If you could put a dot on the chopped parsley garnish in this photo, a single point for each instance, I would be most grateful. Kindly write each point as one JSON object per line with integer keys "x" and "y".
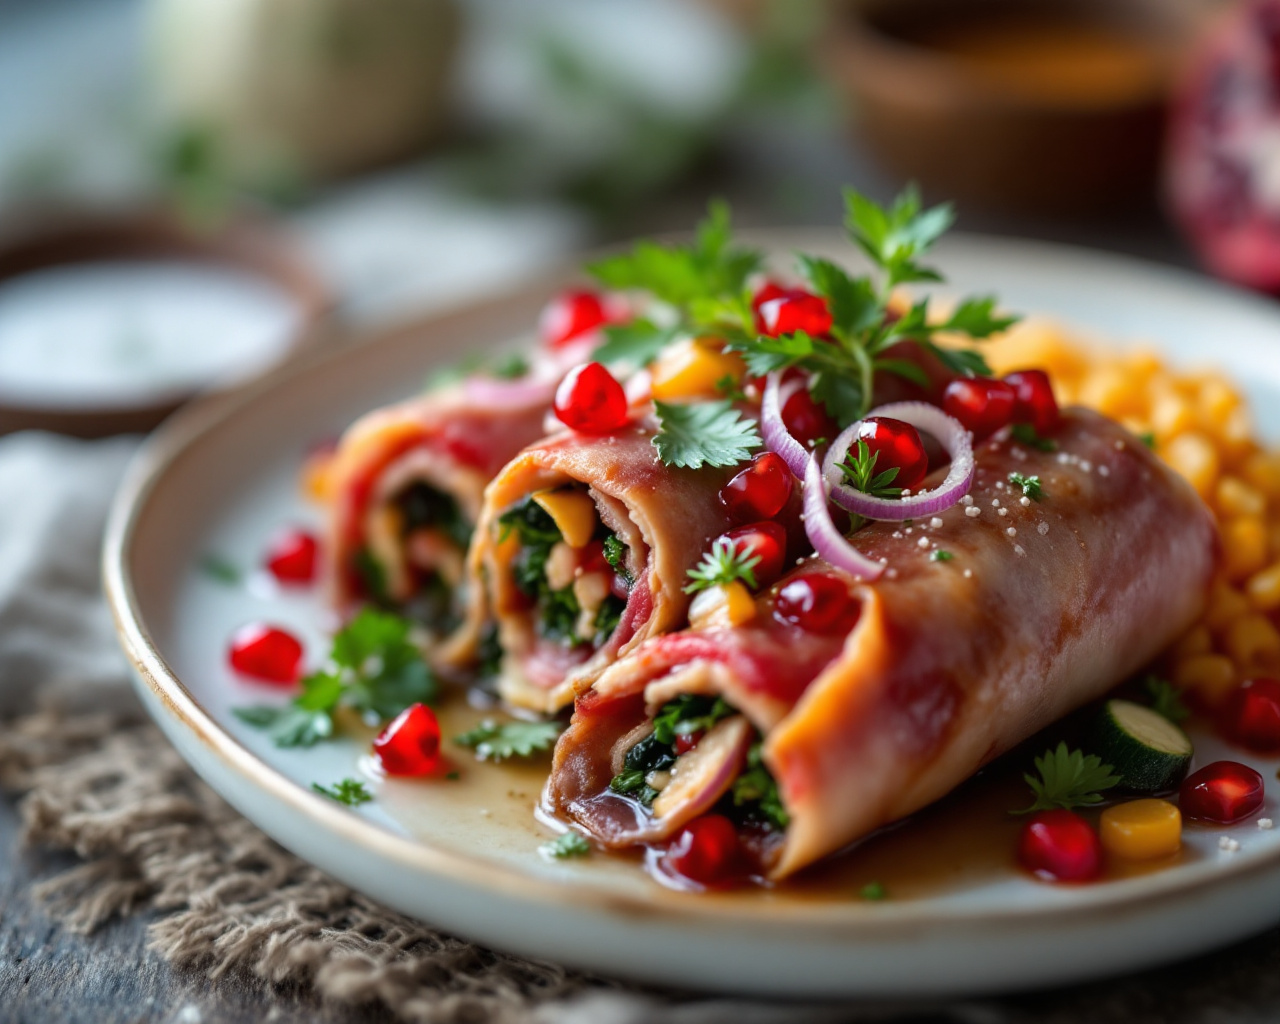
{"x": 1165, "y": 699}
{"x": 221, "y": 569}
{"x": 571, "y": 844}
{"x": 615, "y": 553}
{"x": 941, "y": 556}
{"x": 1030, "y": 485}
{"x": 1068, "y": 778}
{"x": 704, "y": 434}
{"x": 493, "y": 741}
{"x": 873, "y": 891}
{"x": 757, "y": 791}
{"x": 724, "y": 563}
{"x": 373, "y": 668}
{"x": 859, "y": 469}
{"x": 351, "y": 792}
{"x": 1028, "y": 435}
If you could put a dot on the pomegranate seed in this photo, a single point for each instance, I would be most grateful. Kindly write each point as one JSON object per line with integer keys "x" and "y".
{"x": 981, "y": 404}
{"x": 685, "y": 742}
{"x": 410, "y": 744}
{"x": 807, "y": 421}
{"x": 769, "y": 290}
{"x": 1060, "y": 846}
{"x": 819, "y": 602}
{"x": 291, "y": 559}
{"x": 767, "y": 540}
{"x": 705, "y": 851}
{"x": 1251, "y": 716}
{"x": 267, "y": 653}
{"x": 1223, "y": 792}
{"x": 590, "y": 400}
{"x": 760, "y": 491}
{"x": 1035, "y": 403}
{"x": 795, "y": 310}
{"x": 896, "y": 445}
{"x": 570, "y": 315}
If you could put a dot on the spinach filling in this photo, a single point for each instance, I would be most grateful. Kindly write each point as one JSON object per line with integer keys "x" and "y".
{"x": 752, "y": 799}
{"x": 559, "y": 610}
{"x": 425, "y": 507}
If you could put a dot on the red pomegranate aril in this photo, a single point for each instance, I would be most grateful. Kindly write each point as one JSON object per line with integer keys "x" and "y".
{"x": 686, "y": 741}
{"x": 706, "y": 851}
{"x": 981, "y": 404}
{"x": 410, "y": 744}
{"x": 266, "y": 653}
{"x": 896, "y": 445}
{"x": 291, "y": 559}
{"x": 590, "y": 400}
{"x": 818, "y": 602}
{"x": 1060, "y": 846}
{"x": 796, "y": 310}
{"x": 767, "y": 292}
{"x": 1251, "y": 715}
{"x": 570, "y": 315}
{"x": 1034, "y": 403}
{"x": 760, "y": 491}
{"x": 1223, "y": 792}
{"x": 768, "y": 541}
{"x": 807, "y": 421}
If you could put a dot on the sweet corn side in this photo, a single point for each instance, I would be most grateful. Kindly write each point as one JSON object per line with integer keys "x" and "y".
{"x": 1199, "y": 424}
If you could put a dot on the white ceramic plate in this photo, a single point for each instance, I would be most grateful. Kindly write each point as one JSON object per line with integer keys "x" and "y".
{"x": 223, "y": 478}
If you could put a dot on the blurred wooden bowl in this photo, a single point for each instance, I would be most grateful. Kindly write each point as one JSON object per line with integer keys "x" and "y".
{"x": 1032, "y": 106}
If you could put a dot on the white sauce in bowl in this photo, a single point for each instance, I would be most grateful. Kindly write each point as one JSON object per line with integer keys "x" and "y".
{"x": 130, "y": 332}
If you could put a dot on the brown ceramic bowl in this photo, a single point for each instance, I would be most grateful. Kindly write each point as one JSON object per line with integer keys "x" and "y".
{"x": 1033, "y": 106}
{"x": 38, "y": 240}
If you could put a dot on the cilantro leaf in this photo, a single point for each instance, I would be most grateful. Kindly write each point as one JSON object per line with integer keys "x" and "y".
{"x": 859, "y": 469}
{"x": 1068, "y": 778}
{"x": 494, "y": 741}
{"x": 290, "y": 725}
{"x": 763, "y": 354}
{"x": 893, "y": 237}
{"x": 570, "y": 844}
{"x": 724, "y": 563}
{"x": 615, "y": 553}
{"x": 852, "y": 301}
{"x": 221, "y": 569}
{"x": 1165, "y": 699}
{"x": 1028, "y": 435}
{"x": 351, "y": 792}
{"x": 704, "y": 434}
{"x": 976, "y": 318}
{"x": 638, "y": 342}
{"x": 1030, "y": 486}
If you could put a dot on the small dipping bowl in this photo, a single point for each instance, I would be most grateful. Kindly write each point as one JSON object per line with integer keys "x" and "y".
{"x": 1031, "y": 106}
{"x": 110, "y": 321}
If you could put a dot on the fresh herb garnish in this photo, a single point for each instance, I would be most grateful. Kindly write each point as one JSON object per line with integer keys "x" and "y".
{"x": 724, "y": 564}
{"x": 615, "y": 553}
{"x": 493, "y": 741}
{"x": 1165, "y": 699}
{"x": 1068, "y": 778}
{"x": 687, "y": 714}
{"x": 704, "y": 434}
{"x": 941, "y": 556}
{"x": 1030, "y": 485}
{"x": 730, "y": 387}
{"x": 757, "y": 790}
{"x": 873, "y": 891}
{"x": 1148, "y": 438}
{"x": 510, "y": 367}
{"x": 351, "y": 792}
{"x": 221, "y": 569}
{"x": 1028, "y": 435}
{"x": 570, "y": 844}
{"x": 373, "y": 668}
{"x": 859, "y": 469}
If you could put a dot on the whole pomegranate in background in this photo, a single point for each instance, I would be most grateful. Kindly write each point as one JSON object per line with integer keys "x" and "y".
{"x": 1223, "y": 164}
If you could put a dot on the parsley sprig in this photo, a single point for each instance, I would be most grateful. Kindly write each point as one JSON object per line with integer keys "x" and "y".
{"x": 373, "y": 668}
{"x": 1030, "y": 485}
{"x": 351, "y": 792}
{"x": 701, "y": 434}
{"x": 723, "y": 564}
{"x": 1165, "y": 699}
{"x": 859, "y": 469}
{"x": 569, "y": 844}
{"x": 1029, "y": 436}
{"x": 1068, "y": 778}
{"x": 494, "y": 741}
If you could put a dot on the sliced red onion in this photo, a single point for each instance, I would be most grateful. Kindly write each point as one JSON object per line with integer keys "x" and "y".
{"x": 777, "y": 438}
{"x": 828, "y": 541}
{"x": 930, "y": 419}
{"x": 511, "y": 393}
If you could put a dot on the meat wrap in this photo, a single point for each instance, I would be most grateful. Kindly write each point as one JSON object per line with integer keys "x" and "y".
{"x": 405, "y": 488}
{"x": 572, "y": 597}
{"x": 1038, "y": 607}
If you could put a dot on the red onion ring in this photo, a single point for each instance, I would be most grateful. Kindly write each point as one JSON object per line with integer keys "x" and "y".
{"x": 828, "y": 541}
{"x": 932, "y": 420}
{"x": 777, "y": 438}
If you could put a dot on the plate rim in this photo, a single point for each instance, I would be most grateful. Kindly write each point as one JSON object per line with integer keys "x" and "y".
{"x": 852, "y": 920}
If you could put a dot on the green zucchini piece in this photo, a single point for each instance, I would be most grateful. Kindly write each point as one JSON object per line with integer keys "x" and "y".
{"x": 1147, "y": 751}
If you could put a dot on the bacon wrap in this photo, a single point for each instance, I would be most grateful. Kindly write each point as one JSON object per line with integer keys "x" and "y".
{"x": 944, "y": 670}
{"x": 443, "y": 439}
{"x": 667, "y": 517}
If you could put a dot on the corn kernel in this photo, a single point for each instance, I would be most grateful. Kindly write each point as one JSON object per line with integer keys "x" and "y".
{"x": 1263, "y": 588}
{"x": 1195, "y": 641}
{"x": 1141, "y": 829}
{"x": 1253, "y": 642}
{"x": 692, "y": 369}
{"x": 726, "y": 604}
{"x": 1210, "y": 676}
{"x": 1244, "y": 547}
{"x": 1225, "y": 604}
{"x": 1111, "y": 392}
{"x": 1235, "y": 436}
{"x": 1171, "y": 415}
{"x": 1234, "y": 497}
{"x": 1195, "y": 457}
{"x": 1217, "y": 400}
{"x": 1262, "y": 469}
{"x": 1142, "y": 364}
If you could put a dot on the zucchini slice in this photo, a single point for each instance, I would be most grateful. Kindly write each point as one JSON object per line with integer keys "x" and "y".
{"x": 1147, "y": 751}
